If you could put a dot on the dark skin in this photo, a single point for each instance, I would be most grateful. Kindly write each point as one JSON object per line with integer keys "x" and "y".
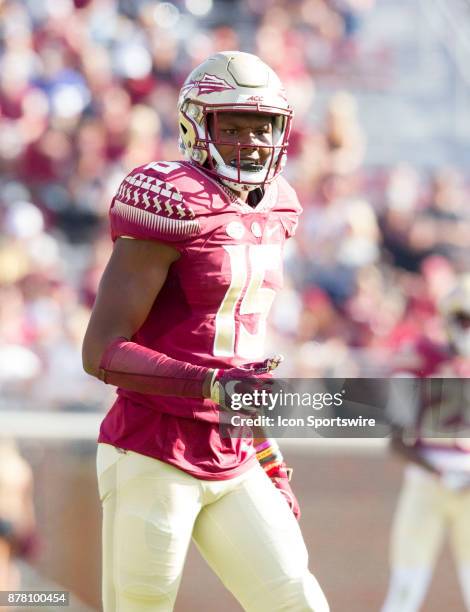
{"x": 251, "y": 130}
{"x": 130, "y": 283}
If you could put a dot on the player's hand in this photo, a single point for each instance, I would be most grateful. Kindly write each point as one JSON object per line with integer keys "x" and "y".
{"x": 280, "y": 478}
{"x": 247, "y": 379}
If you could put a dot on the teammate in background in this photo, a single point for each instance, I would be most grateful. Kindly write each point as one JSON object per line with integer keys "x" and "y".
{"x": 181, "y": 312}
{"x": 436, "y": 491}
{"x": 17, "y": 521}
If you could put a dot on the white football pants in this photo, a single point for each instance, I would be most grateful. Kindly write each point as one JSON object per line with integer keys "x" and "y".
{"x": 243, "y": 528}
{"x": 426, "y": 510}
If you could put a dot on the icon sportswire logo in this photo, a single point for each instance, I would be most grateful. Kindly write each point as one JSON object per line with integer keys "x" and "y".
{"x": 209, "y": 83}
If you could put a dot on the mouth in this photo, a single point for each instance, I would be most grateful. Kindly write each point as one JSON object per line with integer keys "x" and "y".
{"x": 247, "y": 165}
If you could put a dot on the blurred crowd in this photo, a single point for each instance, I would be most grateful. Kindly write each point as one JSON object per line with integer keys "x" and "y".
{"x": 88, "y": 91}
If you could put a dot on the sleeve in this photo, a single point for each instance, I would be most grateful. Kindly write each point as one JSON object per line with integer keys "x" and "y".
{"x": 289, "y": 207}
{"x": 149, "y": 206}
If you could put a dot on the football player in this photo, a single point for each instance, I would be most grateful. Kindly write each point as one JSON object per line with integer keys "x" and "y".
{"x": 436, "y": 492}
{"x": 181, "y": 313}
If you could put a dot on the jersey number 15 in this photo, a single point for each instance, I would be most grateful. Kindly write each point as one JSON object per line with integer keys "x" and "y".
{"x": 248, "y": 264}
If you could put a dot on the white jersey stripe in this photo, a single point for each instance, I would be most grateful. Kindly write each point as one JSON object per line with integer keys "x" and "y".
{"x": 154, "y": 222}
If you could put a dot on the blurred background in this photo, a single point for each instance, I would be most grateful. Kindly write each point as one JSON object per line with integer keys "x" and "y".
{"x": 88, "y": 89}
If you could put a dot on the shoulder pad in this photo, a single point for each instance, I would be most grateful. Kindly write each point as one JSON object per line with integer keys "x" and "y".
{"x": 148, "y": 205}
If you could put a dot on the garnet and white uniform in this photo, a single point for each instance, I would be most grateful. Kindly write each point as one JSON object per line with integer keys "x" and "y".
{"x": 211, "y": 310}
{"x": 165, "y": 472}
{"x": 430, "y": 504}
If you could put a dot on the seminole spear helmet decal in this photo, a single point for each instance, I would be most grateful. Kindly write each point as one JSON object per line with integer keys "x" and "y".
{"x": 209, "y": 83}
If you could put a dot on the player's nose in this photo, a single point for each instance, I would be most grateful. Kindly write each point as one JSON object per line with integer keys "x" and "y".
{"x": 250, "y": 144}
{"x": 250, "y": 152}
{"x": 249, "y": 137}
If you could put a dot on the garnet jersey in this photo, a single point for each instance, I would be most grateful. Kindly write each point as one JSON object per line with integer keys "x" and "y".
{"x": 438, "y": 420}
{"x": 212, "y": 308}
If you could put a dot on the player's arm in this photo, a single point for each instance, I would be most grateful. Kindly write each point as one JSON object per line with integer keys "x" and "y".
{"x": 407, "y": 452}
{"x": 130, "y": 284}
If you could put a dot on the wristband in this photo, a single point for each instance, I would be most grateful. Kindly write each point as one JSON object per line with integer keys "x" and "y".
{"x": 262, "y": 445}
{"x": 269, "y": 456}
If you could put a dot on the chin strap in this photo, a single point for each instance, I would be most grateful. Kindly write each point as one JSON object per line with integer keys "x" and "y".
{"x": 238, "y": 187}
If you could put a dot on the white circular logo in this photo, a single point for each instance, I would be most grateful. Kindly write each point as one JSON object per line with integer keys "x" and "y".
{"x": 235, "y": 230}
{"x": 256, "y": 229}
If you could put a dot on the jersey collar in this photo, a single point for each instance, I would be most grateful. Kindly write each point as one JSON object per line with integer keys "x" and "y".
{"x": 266, "y": 203}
